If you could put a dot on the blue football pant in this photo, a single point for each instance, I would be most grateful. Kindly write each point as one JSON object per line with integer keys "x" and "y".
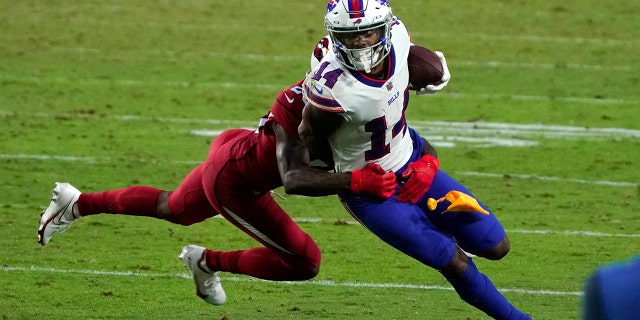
{"x": 427, "y": 236}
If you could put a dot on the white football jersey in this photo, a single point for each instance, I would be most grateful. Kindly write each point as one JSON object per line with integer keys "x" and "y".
{"x": 375, "y": 130}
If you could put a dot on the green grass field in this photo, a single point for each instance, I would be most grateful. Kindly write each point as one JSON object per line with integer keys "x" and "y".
{"x": 540, "y": 121}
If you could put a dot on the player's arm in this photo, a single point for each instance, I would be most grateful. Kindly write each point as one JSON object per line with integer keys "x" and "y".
{"x": 428, "y": 149}
{"x": 316, "y": 128}
{"x": 299, "y": 178}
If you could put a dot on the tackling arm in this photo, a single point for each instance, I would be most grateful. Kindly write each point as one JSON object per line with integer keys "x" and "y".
{"x": 428, "y": 149}
{"x": 296, "y": 174}
{"x": 299, "y": 178}
{"x": 316, "y": 128}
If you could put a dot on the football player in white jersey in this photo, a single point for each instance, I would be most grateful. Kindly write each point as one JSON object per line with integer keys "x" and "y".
{"x": 355, "y": 115}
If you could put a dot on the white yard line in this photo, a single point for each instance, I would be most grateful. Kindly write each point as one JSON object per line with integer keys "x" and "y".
{"x": 276, "y": 87}
{"x": 476, "y": 128}
{"x": 42, "y": 157}
{"x": 325, "y": 283}
{"x": 440, "y": 133}
{"x": 269, "y": 57}
{"x": 583, "y": 233}
{"x": 546, "y": 178}
{"x": 482, "y": 131}
{"x": 349, "y": 221}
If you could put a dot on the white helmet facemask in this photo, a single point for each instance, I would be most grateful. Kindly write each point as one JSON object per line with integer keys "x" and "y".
{"x": 363, "y": 59}
{"x": 346, "y": 16}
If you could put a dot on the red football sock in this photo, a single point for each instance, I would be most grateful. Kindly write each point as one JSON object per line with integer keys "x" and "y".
{"x": 262, "y": 263}
{"x": 135, "y": 201}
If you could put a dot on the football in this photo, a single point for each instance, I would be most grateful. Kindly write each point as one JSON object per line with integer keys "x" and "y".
{"x": 424, "y": 67}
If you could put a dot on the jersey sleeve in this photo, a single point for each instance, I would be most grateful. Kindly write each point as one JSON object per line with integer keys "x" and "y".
{"x": 321, "y": 96}
{"x": 287, "y": 110}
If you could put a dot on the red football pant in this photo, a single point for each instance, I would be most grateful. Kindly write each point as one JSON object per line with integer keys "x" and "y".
{"x": 217, "y": 186}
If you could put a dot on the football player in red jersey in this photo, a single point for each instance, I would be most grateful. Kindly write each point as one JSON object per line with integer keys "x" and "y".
{"x": 235, "y": 181}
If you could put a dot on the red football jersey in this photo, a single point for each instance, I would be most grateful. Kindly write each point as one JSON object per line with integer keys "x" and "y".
{"x": 254, "y": 153}
{"x": 287, "y": 109}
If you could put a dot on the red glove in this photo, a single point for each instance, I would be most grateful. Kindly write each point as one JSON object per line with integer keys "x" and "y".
{"x": 374, "y": 180}
{"x": 420, "y": 174}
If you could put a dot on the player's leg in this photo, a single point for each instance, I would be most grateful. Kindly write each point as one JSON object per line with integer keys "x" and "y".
{"x": 189, "y": 203}
{"x": 478, "y": 290}
{"x": 477, "y": 233}
{"x": 135, "y": 200}
{"x": 288, "y": 254}
{"x": 406, "y": 228}
{"x": 480, "y": 234}
{"x": 186, "y": 205}
{"x": 69, "y": 204}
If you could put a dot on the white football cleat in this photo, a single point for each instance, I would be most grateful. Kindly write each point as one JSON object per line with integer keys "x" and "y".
{"x": 208, "y": 286}
{"x": 60, "y": 214}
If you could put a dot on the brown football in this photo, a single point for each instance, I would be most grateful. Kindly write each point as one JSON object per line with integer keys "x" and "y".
{"x": 424, "y": 67}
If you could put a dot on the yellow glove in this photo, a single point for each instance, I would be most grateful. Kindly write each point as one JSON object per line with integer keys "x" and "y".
{"x": 459, "y": 202}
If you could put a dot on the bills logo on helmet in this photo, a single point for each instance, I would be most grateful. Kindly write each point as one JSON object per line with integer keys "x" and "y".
{"x": 332, "y": 5}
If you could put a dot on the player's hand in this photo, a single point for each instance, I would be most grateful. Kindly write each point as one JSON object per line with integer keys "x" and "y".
{"x": 420, "y": 174}
{"x": 372, "y": 179}
{"x": 430, "y": 89}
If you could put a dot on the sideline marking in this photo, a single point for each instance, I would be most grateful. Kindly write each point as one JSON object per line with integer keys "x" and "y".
{"x": 577, "y": 233}
{"x": 494, "y": 129}
{"x": 274, "y": 87}
{"x": 522, "y": 231}
{"x": 442, "y": 134}
{"x": 326, "y": 283}
{"x": 437, "y": 141}
{"x": 583, "y": 233}
{"x": 527, "y": 65}
{"x": 92, "y": 160}
{"x": 254, "y": 56}
{"x": 545, "y": 178}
